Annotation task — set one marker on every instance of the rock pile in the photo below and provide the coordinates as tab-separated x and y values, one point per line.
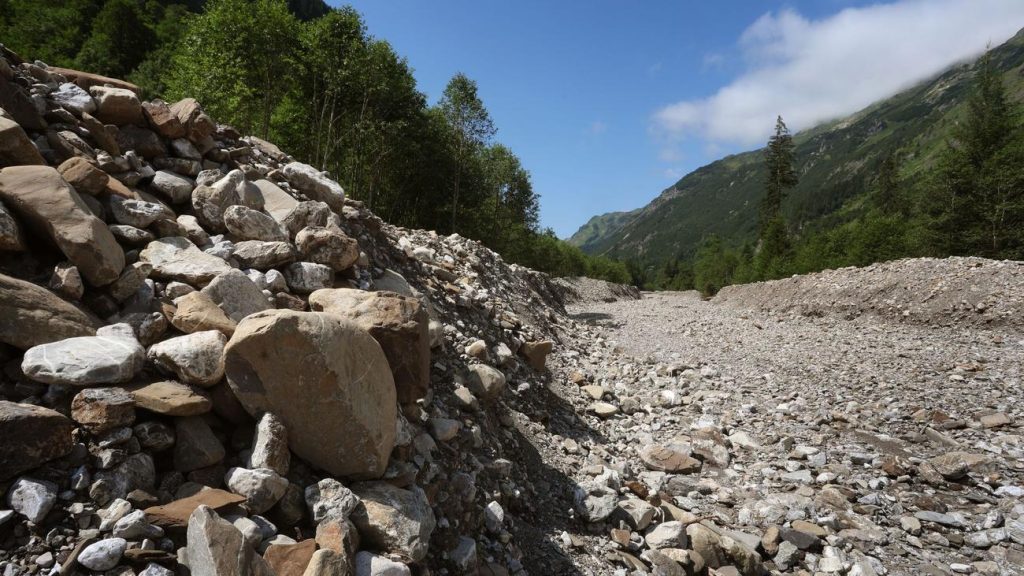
214	362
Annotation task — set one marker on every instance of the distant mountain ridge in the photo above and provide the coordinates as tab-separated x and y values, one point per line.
836	162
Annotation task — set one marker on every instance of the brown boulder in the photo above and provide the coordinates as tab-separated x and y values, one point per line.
117	106
15	146
160	117
536	353
44	201
398	323
290	559
31	436
326	379
83	176
197	312
32	315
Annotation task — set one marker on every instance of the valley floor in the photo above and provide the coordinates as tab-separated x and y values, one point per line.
832	444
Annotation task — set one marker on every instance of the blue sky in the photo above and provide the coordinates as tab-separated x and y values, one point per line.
608	102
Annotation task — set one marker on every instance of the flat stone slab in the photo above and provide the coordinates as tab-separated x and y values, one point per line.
175	514
170	398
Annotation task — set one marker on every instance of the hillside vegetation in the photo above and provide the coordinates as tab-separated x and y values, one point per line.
714	211
315	81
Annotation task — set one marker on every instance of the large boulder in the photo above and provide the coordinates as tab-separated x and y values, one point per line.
394	520
33	315
15	146
315	184
30	436
327	380
113	355
398	323
327	246
177	258
45	202
117	106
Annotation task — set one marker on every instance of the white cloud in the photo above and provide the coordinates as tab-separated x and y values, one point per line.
811	71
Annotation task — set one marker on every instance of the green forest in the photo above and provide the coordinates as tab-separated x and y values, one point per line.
316	82
969	201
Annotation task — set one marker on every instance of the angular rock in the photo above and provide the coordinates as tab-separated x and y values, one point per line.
33	499
198	126
195	446
398	323
264	255
290	559
306	214
326	379
160	117
673	458
175	188
102	409
248	224
177	258
197	312
270	445
83	176
536	353
314	184
31	436
276	201
196	358
236	295
137	213
37	316
667	535
112	356
306	277
485	382
170	399
955	465
329	498
261	487
327	563
328	247
217	548
394	520
44	201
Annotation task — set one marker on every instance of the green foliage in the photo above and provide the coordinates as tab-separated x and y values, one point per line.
237	58
122	34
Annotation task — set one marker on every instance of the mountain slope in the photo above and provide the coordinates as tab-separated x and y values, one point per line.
600	227
836	162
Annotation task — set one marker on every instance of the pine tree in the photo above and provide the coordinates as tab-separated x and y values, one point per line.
885	194
779	159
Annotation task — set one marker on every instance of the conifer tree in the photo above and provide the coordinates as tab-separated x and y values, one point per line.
779	159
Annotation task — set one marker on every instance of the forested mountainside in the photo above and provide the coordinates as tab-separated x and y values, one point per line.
837	163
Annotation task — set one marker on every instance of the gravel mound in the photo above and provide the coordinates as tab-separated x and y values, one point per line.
583	289
936	292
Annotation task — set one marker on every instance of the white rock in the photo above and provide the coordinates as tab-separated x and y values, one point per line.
103	555
33	499
196	358
113	355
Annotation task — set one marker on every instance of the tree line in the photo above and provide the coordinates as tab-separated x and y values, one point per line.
327	91
970	202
